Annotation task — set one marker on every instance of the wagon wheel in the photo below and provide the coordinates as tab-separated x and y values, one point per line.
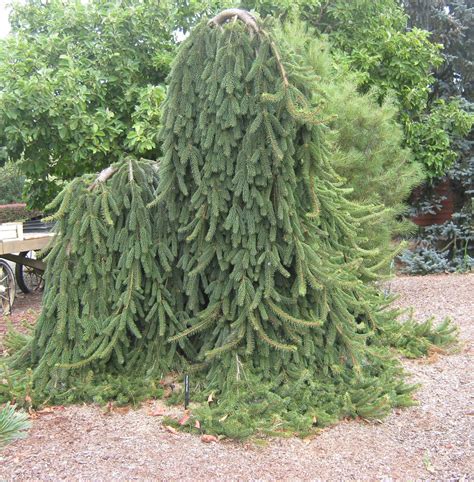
7	288
29	279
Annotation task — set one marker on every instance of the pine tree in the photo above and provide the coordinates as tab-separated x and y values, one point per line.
247	267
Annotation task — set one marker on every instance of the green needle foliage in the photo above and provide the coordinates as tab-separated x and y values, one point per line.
13	425
250	266
268	254
414	339
364	138
104	305
269	247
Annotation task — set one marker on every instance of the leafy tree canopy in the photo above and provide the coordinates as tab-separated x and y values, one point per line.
80	84
11	182
451	23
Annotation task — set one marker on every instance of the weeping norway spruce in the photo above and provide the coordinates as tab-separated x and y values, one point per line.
238	257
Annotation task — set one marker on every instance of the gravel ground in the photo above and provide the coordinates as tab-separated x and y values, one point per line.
25	311
432	440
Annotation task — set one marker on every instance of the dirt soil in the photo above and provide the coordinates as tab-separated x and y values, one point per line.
25	311
432	440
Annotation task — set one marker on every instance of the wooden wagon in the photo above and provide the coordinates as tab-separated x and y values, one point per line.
20	247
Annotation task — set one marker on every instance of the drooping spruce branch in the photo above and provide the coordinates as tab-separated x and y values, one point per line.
248	19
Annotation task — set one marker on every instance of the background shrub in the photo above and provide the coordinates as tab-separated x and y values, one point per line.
11	184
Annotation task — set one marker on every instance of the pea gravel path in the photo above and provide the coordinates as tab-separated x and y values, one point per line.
433	440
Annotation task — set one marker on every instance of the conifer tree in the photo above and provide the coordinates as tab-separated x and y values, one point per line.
268	253
104	306
269	249
247	267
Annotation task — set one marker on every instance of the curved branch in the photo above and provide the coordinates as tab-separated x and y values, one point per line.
244	16
103	176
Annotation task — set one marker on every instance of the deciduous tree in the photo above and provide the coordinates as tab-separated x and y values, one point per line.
80	86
